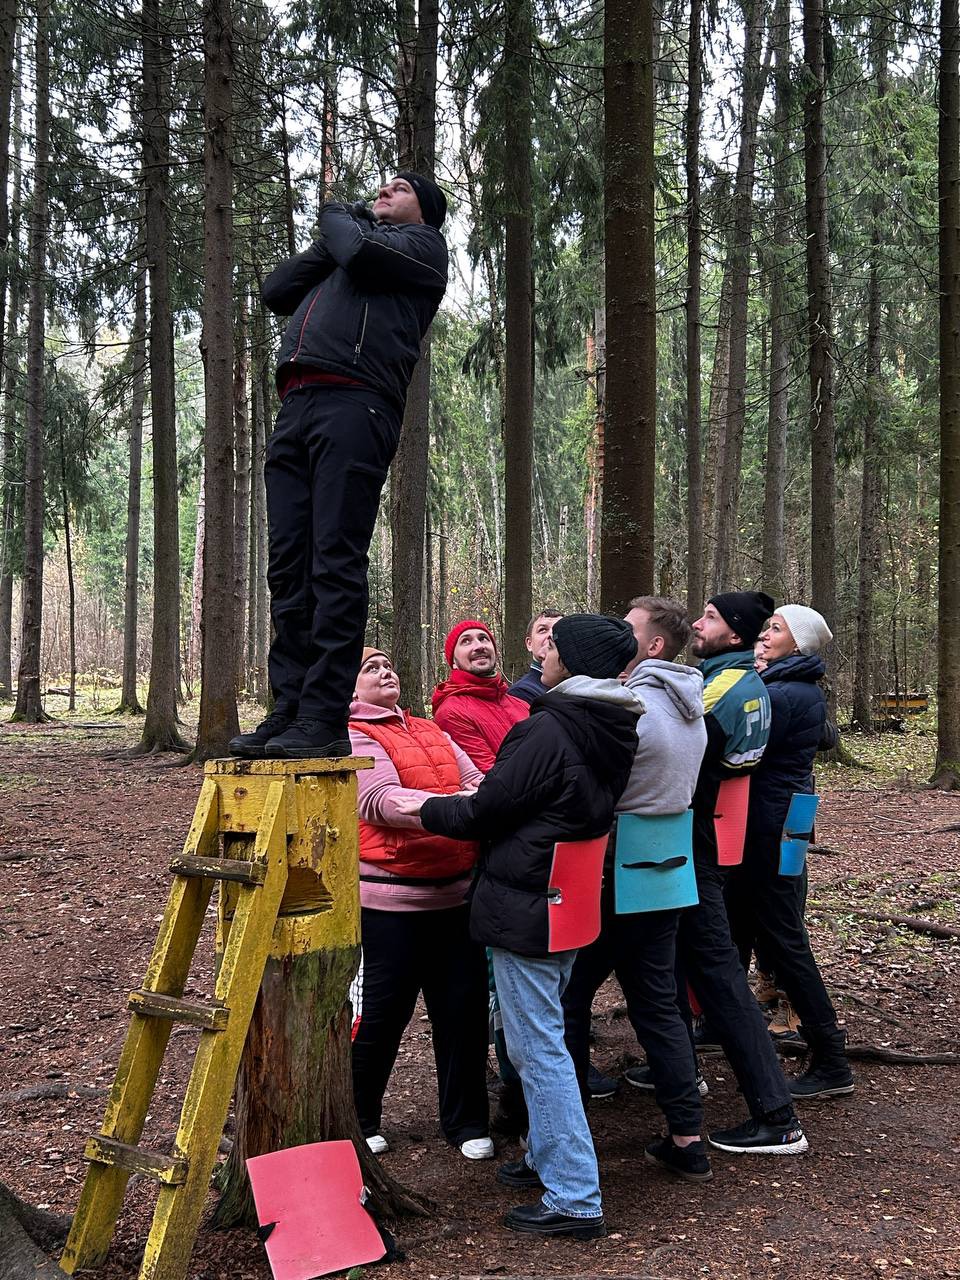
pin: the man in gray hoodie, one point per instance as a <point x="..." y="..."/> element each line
<point x="640" y="948"/>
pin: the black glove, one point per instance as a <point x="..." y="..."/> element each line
<point x="362" y="212"/>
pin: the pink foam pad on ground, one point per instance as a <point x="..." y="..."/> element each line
<point x="313" y="1194"/>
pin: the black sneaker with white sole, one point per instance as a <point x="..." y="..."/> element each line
<point x="600" y="1086"/>
<point x="641" y="1077"/>
<point x="760" y="1138"/>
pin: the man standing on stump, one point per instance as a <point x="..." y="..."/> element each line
<point x="361" y="299"/>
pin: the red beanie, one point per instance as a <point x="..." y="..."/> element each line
<point x="454" y="634"/>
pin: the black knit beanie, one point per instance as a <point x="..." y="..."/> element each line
<point x="744" y="612"/>
<point x="433" y="203"/>
<point x="591" y="644"/>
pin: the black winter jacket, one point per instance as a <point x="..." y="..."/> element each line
<point x="361" y="298"/>
<point x="798" y="712"/>
<point x="557" y="777"/>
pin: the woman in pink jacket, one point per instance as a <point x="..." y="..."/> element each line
<point x="413" y="891"/>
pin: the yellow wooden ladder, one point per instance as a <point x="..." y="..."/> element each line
<point x="229" y="818"/>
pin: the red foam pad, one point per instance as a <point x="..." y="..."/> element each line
<point x="730" y="820"/>
<point x="573" y="897"/>
<point x="313" y="1195"/>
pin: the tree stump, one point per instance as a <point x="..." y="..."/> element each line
<point x="295" y="1081"/>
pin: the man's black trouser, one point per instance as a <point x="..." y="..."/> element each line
<point x="326" y="465"/>
<point x="764" y="909"/>
<point x="711" y="964"/>
<point x="641" y="950"/>
<point x="404" y="953"/>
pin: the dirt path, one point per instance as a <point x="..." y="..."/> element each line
<point x="84" y="844"/>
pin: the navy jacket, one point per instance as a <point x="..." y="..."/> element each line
<point x="361" y="298"/>
<point x="557" y="777"/>
<point x="529" y="686"/>
<point x="798" y="712"/>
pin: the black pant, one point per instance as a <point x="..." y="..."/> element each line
<point x="641" y="950"/>
<point x="766" y="909"/>
<point x="404" y="953"/>
<point x="326" y="465"/>
<point x="711" y="963"/>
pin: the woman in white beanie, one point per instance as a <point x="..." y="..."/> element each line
<point x="764" y="907"/>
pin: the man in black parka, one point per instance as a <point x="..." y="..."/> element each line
<point x="360" y="300"/>
<point x="556" y="778"/>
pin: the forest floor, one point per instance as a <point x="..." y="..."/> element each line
<point x="85" y="837"/>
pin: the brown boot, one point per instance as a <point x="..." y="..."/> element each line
<point x="785" y="1025"/>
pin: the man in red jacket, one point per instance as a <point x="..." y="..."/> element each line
<point x="473" y="705"/>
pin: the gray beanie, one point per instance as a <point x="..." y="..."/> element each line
<point x="591" y="644"/>
<point x="808" y="627"/>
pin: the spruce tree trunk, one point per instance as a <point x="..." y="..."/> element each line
<point x="755" y="73"/>
<point x="27" y="1235"/>
<point x="218" y="675"/>
<point x="160" y="725"/>
<point x="129" y="699"/>
<point x="695" y="546"/>
<point x="11" y="465"/>
<point x="819" y="333"/>
<point x="627" y="520"/>
<point x="417" y="33"/>
<point x="518" y="361"/>
<point x="242" y="449"/>
<point x="774" y="551"/>
<point x="868" y="554"/>
<point x="946" y="772"/>
<point x="29" y="705"/>
<point x="71" y="585"/>
<point x="8" y="46"/>
<point x="261" y="619"/>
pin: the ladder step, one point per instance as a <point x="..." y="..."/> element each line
<point x="219" y="869"/>
<point x="150" y="1004"/>
<point x="169" y="1170"/>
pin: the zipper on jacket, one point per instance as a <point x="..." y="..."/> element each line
<point x="363" y="330"/>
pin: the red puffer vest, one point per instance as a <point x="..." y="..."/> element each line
<point x="424" y="760"/>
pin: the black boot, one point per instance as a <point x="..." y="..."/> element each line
<point x="829" y="1074"/>
<point x="252" y="745"/>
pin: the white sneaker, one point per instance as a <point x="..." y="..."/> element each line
<point x="378" y="1144"/>
<point x="477" y="1149"/>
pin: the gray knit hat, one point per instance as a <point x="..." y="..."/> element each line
<point x="808" y="627"/>
<point x="591" y="644"/>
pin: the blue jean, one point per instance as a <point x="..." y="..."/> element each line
<point x="560" y="1147"/>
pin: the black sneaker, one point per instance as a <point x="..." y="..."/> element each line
<point x="517" y="1173"/>
<point x="822" y="1082"/>
<point x="758" y="1138"/>
<point x="690" y="1162"/>
<point x="600" y="1086"/>
<point x="252" y="746"/>
<point x="538" y="1220"/>
<point x="305" y="739"/>
<point x="641" y="1077"/>
<point x="704" y="1038"/>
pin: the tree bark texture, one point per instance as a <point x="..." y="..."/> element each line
<point x="868" y="553"/>
<point x="947" y="769"/>
<point x="8" y="46"/>
<point x="774" y="487"/>
<point x="417" y="34"/>
<point x="518" y="358"/>
<point x="740" y="252"/>
<point x="27" y="1235"/>
<point x="242" y="489"/>
<point x="129" y="699"/>
<point x="10" y="375"/>
<point x="71" y="584"/>
<point x="695" y="544"/>
<point x="160" y="725"/>
<point x="218" y="679"/>
<point x="627" y="528"/>
<point x="29" y="705"/>
<point x="819" y="327"/>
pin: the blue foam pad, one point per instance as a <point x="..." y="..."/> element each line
<point x="797" y="831"/>
<point x="653" y="863"/>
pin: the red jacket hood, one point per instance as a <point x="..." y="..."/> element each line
<point x="492" y="688"/>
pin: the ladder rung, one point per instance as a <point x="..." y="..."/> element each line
<point x="170" y="1170"/>
<point x="150" y="1004"/>
<point x="219" y="869"/>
